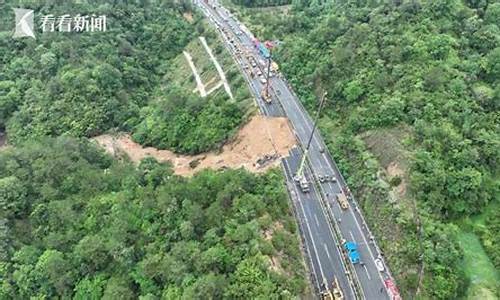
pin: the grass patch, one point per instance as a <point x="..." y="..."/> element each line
<point x="182" y="75"/>
<point x="387" y="145"/>
<point x="484" y="278"/>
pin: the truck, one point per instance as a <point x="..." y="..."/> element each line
<point x="304" y="185"/>
<point x="302" y="182"/>
<point x="274" y="67"/>
<point x="334" y="294"/>
<point x="265" y="96"/>
<point x="342" y="199"/>
<point x="352" y="251"/>
<point x="262" y="48"/>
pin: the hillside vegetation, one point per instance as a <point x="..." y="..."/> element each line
<point x="179" y="118"/>
<point x="76" y="224"/>
<point x="430" y="68"/>
<point x="259" y="3"/>
<point x="84" y="84"/>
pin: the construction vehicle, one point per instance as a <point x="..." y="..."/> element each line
<point x="302" y="182"/>
<point x="304" y="185"/>
<point x="342" y="199"/>
<point x="334" y="294"/>
<point x="265" y="96"/>
<point x="274" y="67"/>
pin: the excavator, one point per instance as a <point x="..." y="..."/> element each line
<point x="334" y="294"/>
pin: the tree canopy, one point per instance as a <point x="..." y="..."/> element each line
<point x="84" y="84"/>
<point x="76" y="223"/>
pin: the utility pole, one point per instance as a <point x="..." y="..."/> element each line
<point x="300" y="171"/>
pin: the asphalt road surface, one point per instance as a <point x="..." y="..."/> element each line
<point x="318" y="213"/>
<point x="321" y="246"/>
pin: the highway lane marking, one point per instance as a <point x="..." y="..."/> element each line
<point x="312" y="240"/>
<point x="352" y="236"/>
<point x="316" y="257"/>
<point x="310" y="234"/>
<point x="326" y="250"/>
<point x="250" y="82"/>
<point x="317" y="222"/>
<point x="355" y="274"/>
<point x="334" y="240"/>
<point x="367" y="273"/>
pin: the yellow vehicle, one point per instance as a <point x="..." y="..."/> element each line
<point x="334" y="294"/>
<point x="342" y="199"/>
<point x="274" y="67"/>
<point x="266" y="97"/>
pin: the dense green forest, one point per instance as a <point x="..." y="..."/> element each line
<point x="259" y="3"/>
<point x="429" y="71"/>
<point x="76" y="223"/>
<point x="83" y="84"/>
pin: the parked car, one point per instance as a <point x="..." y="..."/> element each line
<point x="379" y="264"/>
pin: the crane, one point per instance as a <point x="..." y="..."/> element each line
<point x="299" y="176"/>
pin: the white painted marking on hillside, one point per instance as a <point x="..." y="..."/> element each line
<point x="199" y="85"/>
<point x="218" y="67"/>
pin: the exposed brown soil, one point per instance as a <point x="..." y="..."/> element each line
<point x="274" y="261"/>
<point x="393" y="169"/>
<point x="257" y="147"/>
<point x="188" y="17"/>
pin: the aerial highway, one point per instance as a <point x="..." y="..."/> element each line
<point x="324" y="224"/>
<point x="321" y="245"/>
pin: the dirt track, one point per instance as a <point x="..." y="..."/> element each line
<point x="261" y="136"/>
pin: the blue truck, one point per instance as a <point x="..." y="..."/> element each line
<point x="264" y="51"/>
<point x="352" y="251"/>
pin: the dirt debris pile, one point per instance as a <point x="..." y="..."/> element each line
<point x="257" y="147"/>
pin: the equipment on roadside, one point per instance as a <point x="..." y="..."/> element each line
<point x="300" y="171"/>
<point x="342" y="199"/>
<point x="334" y="294"/>
<point x="265" y="96"/>
<point x="302" y="182"/>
